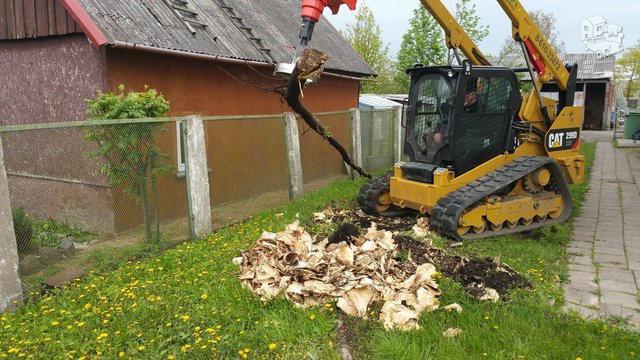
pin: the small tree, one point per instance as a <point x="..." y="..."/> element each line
<point x="628" y="70"/>
<point x="133" y="162"/>
<point x="365" y="36"/>
<point x="423" y="44"/>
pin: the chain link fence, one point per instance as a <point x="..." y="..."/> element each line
<point x="88" y="197"/>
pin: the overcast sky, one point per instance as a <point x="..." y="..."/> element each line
<point x="393" y="16"/>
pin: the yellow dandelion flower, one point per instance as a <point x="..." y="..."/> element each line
<point x="272" y="346"/>
<point x="121" y="354"/>
<point x="141" y="348"/>
<point x="185" y="317"/>
<point x="204" y="296"/>
<point x="55" y="323"/>
<point x="171" y="357"/>
<point x="312" y="316"/>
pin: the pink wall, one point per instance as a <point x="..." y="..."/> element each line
<point x="48" y="79"/>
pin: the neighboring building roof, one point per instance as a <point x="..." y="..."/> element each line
<point x="260" y="31"/>
<point x="398" y="98"/>
<point x="590" y="66"/>
<point x="376" y="102"/>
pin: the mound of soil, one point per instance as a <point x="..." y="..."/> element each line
<point x="364" y="221"/>
<point x="478" y="276"/>
<point x="474" y="274"/>
<point x="345" y="233"/>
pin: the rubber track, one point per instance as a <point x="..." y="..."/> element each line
<point x="368" y="197"/>
<point x="445" y="216"/>
<point x="369" y="192"/>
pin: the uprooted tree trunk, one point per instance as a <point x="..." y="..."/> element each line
<point x="310" y="66"/>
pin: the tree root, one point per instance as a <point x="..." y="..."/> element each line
<point x="310" y="66"/>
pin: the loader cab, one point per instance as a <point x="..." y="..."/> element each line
<point x="458" y="118"/>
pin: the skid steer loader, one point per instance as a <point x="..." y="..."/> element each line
<point x="484" y="159"/>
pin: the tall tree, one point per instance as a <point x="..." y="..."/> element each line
<point x="365" y="36"/>
<point x="511" y="53"/>
<point x="423" y="44"/>
<point x="628" y="70"/>
<point x="467" y="16"/>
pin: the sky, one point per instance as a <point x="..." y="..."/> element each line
<point x="393" y="17"/>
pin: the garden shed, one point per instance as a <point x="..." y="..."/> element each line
<point x="211" y="58"/>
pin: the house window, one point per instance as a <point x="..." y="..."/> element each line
<point x="181" y="146"/>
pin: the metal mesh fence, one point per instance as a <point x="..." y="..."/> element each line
<point x="91" y="197"/>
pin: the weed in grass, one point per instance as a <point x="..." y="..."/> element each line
<point x="49" y="232"/>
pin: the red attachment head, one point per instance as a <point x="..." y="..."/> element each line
<point x="312" y="9"/>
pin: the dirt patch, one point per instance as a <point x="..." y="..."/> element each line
<point x="346" y="335"/>
<point x="364" y="221"/>
<point x="474" y="274"/>
<point x="484" y="279"/>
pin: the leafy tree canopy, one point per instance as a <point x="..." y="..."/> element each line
<point x="365" y="36"/>
<point x="511" y="52"/>
<point x="628" y="71"/>
<point x="467" y="16"/>
<point x="423" y="43"/>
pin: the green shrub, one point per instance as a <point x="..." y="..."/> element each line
<point x="23" y="227"/>
<point x="133" y="161"/>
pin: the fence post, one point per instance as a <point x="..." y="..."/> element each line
<point x="397" y="134"/>
<point x="10" y="286"/>
<point x="197" y="173"/>
<point x="356" y="140"/>
<point x="294" y="159"/>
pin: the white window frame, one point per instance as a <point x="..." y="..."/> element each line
<point x="181" y="164"/>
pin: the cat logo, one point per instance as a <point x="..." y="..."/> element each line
<point x="562" y="139"/>
<point x="556" y="141"/>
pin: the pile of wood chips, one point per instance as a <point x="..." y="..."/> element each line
<point x="355" y="274"/>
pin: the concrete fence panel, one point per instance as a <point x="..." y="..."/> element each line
<point x="10" y="285"/>
<point x="294" y="159"/>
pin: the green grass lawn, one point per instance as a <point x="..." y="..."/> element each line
<point x="187" y="303"/>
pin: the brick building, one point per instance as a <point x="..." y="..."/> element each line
<point x="208" y="57"/>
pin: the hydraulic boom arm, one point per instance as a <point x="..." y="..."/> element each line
<point x="542" y="55"/>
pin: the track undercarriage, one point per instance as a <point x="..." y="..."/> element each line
<point x="525" y="195"/>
